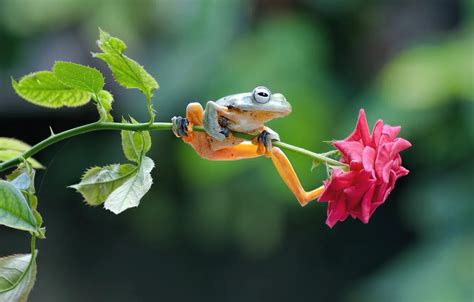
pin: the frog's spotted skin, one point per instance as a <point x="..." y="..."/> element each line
<point x="247" y="113"/>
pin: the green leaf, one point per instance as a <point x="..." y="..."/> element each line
<point x="14" y="209"/>
<point x="128" y="195"/>
<point x="11" y="147"/>
<point x="17" y="277"/>
<point x="104" y="105"/>
<point x="22" y="181"/>
<point x="99" y="182"/>
<point x="126" y="71"/>
<point x="7" y="143"/>
<point x="9" y="154"/>
<point x="135" y="144"/>
<point x="79" y="76"/>
<point x="43" y="88"/>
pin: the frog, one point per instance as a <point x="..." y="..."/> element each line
<point x="248" y="113"/>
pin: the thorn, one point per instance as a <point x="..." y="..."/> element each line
<point x="51" y="130"/>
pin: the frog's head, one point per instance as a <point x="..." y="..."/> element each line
<point x="259" y="100"/>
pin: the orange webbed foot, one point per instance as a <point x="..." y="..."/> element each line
<point x="264" y="141"/>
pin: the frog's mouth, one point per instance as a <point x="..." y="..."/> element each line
<point x="279" y="109"/>
<point x="283" y="110"/>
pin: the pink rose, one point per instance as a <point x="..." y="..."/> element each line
<point x="375" y="165"/>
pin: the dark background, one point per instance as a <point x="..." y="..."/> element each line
<point x="231" y="231"/>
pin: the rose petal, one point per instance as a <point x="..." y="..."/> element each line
<point x="361" y="131"/>
<point x="391" y="131"/>
<point x="383" y="157"/>
<point x="336" y="212"/>
<point x="368" y="158"/>
<point x="350" y="150"/>
<point x="399" y="145"/>
<point x="354" y="195"/>
<point x="402" y="172"/>
<point x="386" y="171"/>
<point x="376" y="133"/>
<point x="366" y="204"/>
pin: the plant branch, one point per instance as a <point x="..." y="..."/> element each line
<point x="99" y="126"/>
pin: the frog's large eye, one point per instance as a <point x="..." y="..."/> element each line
<point x="261" y="95"/>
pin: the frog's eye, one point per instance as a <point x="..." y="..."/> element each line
<point x="261" y="94"/>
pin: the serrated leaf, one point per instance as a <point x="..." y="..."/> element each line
<point x="99" y="182"/>
<point x="9" y="154"/>
<point x="17" y="277"/>
<point x="107" y="43"/>
<point x="104" y="105"/>
<point x="79" y="76"/>
<point x="44" y="89"/>
<point x="130" y="193"/>
<point x="14" y="209"/>
<point x="135" y="144"/>
<point x="23" y="179"/>
<point x="126" y="71"/>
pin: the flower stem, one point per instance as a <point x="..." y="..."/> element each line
<point x="99" y="126"/>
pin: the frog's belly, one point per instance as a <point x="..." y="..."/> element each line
<point x="246" y="122"/>
<point x="245" y="125"/>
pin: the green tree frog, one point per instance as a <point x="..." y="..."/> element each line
<point x="247" y="113"/>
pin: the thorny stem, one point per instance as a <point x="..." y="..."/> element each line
<point x="98" y="126"/>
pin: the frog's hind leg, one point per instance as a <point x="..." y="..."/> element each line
<point x="288" y="174"/>
<point x="241" y="151"/>
<point x="283" y="166"/>
<point x="280" y="161"/>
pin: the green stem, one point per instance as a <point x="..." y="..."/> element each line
<point x="33" y="246"/>
<point x="98" y="126"/>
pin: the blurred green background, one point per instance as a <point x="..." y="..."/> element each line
<point x="232" y="231"/>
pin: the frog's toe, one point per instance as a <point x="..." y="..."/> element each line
<point x="264" y="141"/>
<point x="180" y="126"/>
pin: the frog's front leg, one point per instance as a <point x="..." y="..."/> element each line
<point x="211" y="122"/>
